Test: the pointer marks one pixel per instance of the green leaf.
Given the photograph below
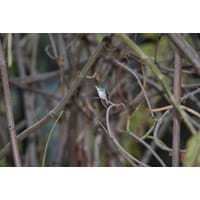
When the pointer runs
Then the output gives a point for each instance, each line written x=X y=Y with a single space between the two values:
x=164 y=51
x=192 y=157
x=99 y=37
x=140 y=120
x=149 y=49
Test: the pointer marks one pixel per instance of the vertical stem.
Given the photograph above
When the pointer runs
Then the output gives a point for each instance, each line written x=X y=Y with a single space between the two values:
x=176 y=117
x=9 y=112
x=28 y=99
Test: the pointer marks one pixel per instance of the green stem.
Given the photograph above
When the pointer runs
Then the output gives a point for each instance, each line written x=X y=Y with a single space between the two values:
x=49 y=138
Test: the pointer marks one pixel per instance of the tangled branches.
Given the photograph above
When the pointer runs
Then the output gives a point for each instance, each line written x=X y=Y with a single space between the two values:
x=60 y=74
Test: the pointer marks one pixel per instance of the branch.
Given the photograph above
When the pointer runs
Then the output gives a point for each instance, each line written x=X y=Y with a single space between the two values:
x=139 y=82
x=147 y=61
x=186 y=49
x=128 y=156
x=176 y=118
x=148 y=147
x=9 y=112
x=60 y=106
x=28 y=100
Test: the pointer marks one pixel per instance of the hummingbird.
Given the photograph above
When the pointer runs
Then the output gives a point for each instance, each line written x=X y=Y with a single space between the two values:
x=103 y=95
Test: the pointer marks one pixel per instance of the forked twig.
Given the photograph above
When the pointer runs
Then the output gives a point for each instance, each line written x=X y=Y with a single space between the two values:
x=159 y=143
x=141 y=140
x=148 y=147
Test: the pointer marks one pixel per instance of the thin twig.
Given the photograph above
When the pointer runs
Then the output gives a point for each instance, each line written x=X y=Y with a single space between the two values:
x=141 y=140
x=192 y=93
x=28 y=100
x=121 y=149
x=9 y=112
x=156 y=131
x=160 y=144
x=139 y=82
x=148 y=147
x=195 y=113
x=162 y=108
x=149 y=131
x=176 y=117
x=9 y=50
x=190 y=110
x=49 y=138
x=160 y=121
x=165 y=125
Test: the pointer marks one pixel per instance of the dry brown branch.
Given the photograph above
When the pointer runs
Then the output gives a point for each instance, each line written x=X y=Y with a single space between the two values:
x=31 y=159
x=9 y=112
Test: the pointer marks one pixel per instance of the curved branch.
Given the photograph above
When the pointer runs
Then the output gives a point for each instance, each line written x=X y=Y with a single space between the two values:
x=148 y=147
x=139 y=82
x=120 y=148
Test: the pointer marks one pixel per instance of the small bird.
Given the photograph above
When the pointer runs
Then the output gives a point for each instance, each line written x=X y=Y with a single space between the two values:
x=103 y=95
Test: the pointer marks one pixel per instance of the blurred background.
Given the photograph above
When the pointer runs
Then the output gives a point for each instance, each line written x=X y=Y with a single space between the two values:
x=42 y=68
